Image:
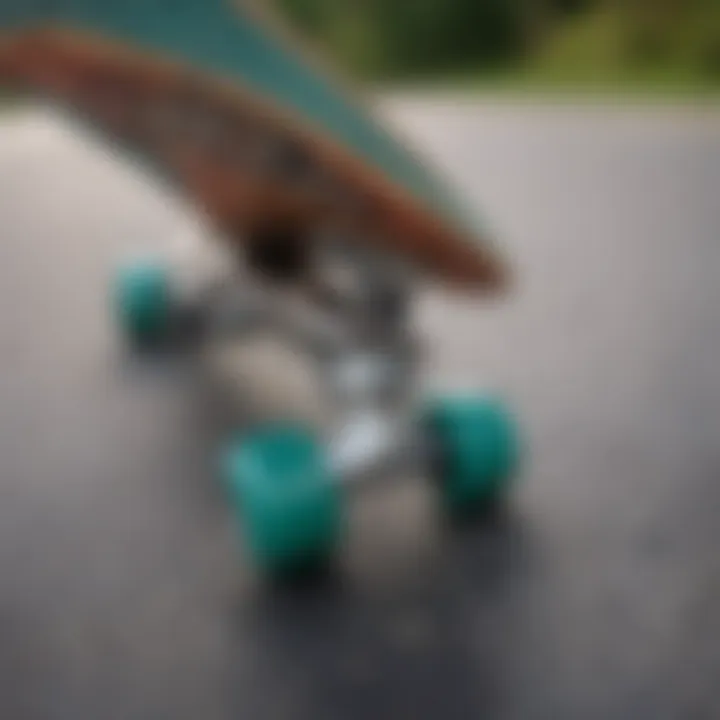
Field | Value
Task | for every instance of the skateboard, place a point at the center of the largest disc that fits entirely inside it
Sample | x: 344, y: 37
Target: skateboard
x: 331, y: 225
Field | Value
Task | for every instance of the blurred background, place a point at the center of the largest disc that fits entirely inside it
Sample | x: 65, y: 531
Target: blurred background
x: 665, y: 44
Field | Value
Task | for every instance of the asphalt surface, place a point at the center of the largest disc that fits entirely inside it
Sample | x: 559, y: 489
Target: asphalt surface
x: 596, y: 595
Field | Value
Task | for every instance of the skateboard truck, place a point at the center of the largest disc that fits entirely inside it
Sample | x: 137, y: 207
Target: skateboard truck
x: 355, y: 330
x: 348, y: 311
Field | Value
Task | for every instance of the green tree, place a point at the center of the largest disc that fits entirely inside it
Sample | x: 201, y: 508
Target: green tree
x: 400, y: 38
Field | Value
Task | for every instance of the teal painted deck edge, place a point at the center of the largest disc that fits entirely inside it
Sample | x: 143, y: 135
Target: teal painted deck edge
x: 226, y: 39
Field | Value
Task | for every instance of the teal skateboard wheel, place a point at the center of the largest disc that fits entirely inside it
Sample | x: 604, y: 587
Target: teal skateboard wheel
x: 290, y: 510
x: 142, y: 298
x: 475, y: 451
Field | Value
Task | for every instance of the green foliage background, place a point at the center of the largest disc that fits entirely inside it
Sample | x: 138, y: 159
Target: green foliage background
x: 570, y: 39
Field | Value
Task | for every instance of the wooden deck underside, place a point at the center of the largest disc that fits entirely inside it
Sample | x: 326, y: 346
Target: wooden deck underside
x: 247, y: 162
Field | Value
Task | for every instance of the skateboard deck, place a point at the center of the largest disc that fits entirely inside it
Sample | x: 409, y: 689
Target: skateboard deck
x: 219, y: 100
